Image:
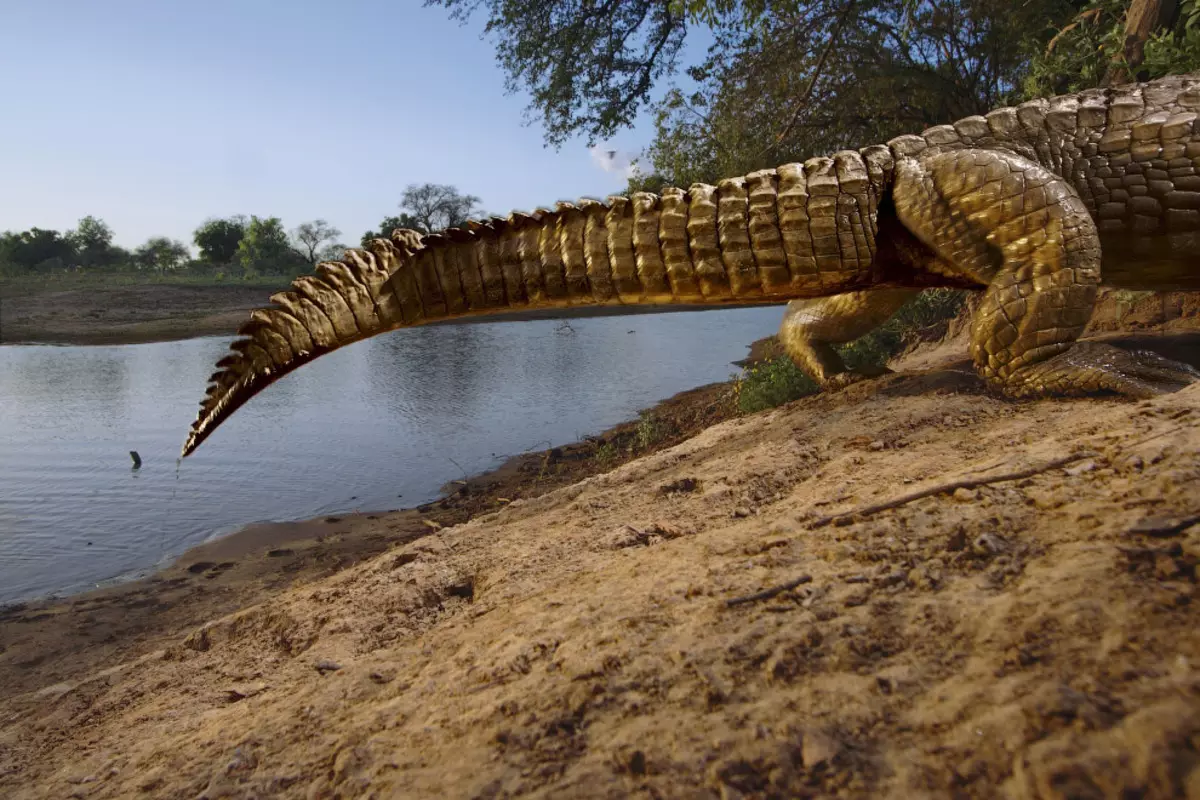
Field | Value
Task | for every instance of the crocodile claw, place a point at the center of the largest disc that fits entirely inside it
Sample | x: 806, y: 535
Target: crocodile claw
x: 1093, y: 367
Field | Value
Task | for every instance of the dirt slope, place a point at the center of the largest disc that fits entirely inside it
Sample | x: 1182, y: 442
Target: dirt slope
x: 1028, y: 638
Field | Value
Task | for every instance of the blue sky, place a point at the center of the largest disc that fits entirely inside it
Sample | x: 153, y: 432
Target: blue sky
x: 156, y: 115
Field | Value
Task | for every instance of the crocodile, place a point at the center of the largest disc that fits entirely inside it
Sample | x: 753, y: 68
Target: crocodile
x: 1035, y: 206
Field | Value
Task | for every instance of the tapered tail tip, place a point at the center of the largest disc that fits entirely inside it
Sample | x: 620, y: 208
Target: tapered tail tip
x: 220, y: 404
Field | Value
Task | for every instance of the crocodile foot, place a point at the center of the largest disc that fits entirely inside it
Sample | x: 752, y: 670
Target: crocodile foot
x: 1092, y: 367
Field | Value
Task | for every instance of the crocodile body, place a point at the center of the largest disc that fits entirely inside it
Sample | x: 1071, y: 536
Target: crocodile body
x: 1031, y: 205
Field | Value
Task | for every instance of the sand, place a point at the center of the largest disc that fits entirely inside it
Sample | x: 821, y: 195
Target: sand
x: 685, y: 625
x: 704, y: 617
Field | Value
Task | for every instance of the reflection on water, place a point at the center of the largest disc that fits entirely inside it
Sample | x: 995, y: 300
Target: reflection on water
x: 378, y: 425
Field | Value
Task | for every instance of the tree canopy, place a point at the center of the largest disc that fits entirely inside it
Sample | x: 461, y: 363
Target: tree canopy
x: 787, y: 79
x: 314, y: 238
x: 92, y: 242
x: 161, y: 254
x: 589, y: 66
x: 36, y: 249
x: 426, y: 208
x: 389, y: 224
x: 218, y: 239
x: 265, y: 247
x: 813, y: 77
x: 1111, y: 41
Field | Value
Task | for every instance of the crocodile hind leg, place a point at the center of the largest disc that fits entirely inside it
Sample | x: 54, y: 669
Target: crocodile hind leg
x: 1025, y: 233
x: 811, y: 327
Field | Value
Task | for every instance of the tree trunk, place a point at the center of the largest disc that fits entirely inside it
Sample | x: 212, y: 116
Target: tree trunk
x: 1143, y: 18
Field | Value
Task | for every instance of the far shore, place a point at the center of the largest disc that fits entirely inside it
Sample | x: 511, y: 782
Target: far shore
x: 159, y: 312
x: 126, y: 314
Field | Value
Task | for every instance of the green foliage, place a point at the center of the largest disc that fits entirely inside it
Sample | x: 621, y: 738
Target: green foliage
x: 808, y: 78
x: 1175, y: 50
x: 1091, y: 49
x: 769, y: 384
x: 649, y: 431
x: 427, y: 208
x: 218, y: 239
x: 231, y: 249
x: 606, y: 454
x: 36, y: 250
x: 783, y: 80
x: 772, y: 383
x: 436, y: 206
x: 588, y: 66
x: 92, y: 242
x: 390, y: 224
x: 265, y: 249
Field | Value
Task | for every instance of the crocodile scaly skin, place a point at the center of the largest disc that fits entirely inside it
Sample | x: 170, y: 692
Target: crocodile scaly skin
x: 1036, y: 206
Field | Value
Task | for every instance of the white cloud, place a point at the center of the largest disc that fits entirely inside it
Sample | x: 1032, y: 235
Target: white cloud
x: 612, y: 160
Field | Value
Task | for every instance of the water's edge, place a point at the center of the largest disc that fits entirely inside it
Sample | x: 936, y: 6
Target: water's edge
x: 262, y: 529
x: 374, y: 427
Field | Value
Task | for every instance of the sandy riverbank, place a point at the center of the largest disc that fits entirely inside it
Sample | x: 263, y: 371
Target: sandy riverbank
x: 60, y: 639
x: 684, y: 625
x: 561, y: 629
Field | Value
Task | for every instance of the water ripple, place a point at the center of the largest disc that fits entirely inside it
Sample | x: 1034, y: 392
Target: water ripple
x: 380, y: 424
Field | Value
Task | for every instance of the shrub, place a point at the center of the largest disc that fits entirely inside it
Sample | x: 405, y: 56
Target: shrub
x: 606, y: 454
x: 769, y: 384
x: 649, y: 431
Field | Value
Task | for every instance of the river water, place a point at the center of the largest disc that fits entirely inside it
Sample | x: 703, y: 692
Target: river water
x: 378, y: 425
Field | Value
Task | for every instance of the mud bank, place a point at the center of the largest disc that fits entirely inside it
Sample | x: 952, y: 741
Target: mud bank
x: 127, y: 314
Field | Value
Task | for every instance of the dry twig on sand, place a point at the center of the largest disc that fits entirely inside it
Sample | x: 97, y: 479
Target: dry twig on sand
x: 767, y: 594
x: 966, y: 483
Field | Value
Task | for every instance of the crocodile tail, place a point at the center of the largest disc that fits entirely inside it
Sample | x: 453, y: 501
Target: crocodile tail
x: 746, y: 241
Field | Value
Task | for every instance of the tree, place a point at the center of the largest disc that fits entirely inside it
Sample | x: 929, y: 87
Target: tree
x: 218, y: 239
x: 390, y: 224
x: 588, y: 66
x: 36, y: 250
x: 435, y: 207
x: 1111, y: 41
x: 310, y: 236
x: 811, y: 77
x: 265, y: 248
x: 783, y: 79
x: 161, y: 255
x: 427, y: 208
x: 92, y: 241
x: 332, y: 252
